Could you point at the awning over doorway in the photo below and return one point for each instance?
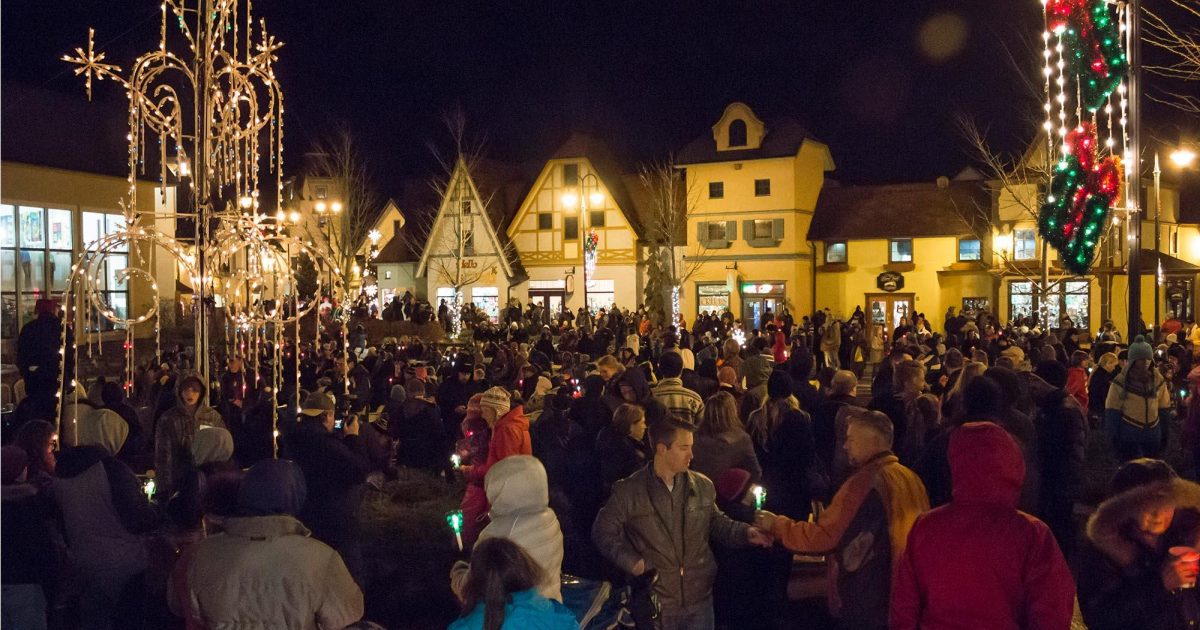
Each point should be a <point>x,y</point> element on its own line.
<point>1170,264</point>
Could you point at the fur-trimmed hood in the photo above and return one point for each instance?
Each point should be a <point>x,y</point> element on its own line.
<point>1106,528</point>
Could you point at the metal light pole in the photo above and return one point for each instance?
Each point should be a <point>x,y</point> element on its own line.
<point>1157,250</point>
<point>596,198</point>
<point>1134,171</point>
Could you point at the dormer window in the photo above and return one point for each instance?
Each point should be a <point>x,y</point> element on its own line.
<point>737,133</point>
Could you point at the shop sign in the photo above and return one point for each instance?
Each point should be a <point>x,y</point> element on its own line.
<point>761,289</point>
<point>889,281</point>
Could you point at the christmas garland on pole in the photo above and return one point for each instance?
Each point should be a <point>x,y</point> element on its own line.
<point>1092,37</point>
<point>1084,185</point>
<point>590,244</point>
<point>1081,195</point>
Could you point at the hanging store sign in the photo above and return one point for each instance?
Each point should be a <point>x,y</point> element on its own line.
<point>889,281</point>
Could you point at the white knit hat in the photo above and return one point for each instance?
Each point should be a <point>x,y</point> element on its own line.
<point>496,399</point>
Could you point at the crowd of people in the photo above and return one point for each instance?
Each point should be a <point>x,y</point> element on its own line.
<point>695,461</point>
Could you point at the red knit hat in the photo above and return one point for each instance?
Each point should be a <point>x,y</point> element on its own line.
<point>45,307</point>
<point>731,484</point>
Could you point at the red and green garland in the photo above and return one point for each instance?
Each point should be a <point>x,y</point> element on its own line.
<point>590,244</point>
<point>1081,195</point>
<point>1091,38</point>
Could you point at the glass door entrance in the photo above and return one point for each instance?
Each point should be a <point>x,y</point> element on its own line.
<point>756,307</point>
<point>552,301</point>
<point>886,311</point>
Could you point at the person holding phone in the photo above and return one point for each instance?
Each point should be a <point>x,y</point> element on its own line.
<point>335,467</point>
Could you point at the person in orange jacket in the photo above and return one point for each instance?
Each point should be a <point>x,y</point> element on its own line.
<point>865,528</point>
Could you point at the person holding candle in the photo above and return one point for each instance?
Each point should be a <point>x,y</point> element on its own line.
<point>865,528</point>
<point>1126,572</point>
<point>519,494</point>
<point>104,514</point>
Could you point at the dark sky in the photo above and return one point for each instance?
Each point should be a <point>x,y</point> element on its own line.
<point>646,75</point>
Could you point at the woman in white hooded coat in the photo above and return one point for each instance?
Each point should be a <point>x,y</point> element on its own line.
<point>519,496</point>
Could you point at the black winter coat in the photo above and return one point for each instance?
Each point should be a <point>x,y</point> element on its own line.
<point>334,471</point>
<point>1118,579</point>
<point>420,433</point>
<point>787,461</point>
<point>619,456</point>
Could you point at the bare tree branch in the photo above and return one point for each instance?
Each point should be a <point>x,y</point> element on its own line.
<point>672,199</point>
<point>340,158</point>
<point>1179,37</point>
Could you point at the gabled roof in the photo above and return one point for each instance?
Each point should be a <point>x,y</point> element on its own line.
<point>898,211</point>
<point>397,250</point>
<point>489,182</point>
<point>608,169</point>
<point>784,136</point>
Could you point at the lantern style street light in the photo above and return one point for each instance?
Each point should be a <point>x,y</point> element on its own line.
<point>589,237</point>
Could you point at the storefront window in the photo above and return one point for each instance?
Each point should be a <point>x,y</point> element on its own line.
<point>1076,301</point>
<point>38,247</point>
<point>601,294</point>
<point>1020,300</point>
<point>33,227</point>
<point>712,298</point>
<point>487,299</point>
<point>758,298</point>
<point>8,227</point>
<point>1072,297</point>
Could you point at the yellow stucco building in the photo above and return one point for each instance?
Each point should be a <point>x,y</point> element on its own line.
<point>767,229</point>
<point>753,188</point>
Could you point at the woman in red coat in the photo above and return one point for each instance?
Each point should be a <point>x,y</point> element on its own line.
<point>978,562</point>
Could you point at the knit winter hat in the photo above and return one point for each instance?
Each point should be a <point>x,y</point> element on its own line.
<point>731,484</point>
<point>1139,349</point>
<point>779,385</point>
<point>272,486</point>
<point>496,399</point>
<point>397,394</point>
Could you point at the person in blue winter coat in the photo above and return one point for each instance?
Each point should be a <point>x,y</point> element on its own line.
<point>501,592</point>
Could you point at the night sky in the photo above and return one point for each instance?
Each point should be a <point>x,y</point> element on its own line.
<point>880,82</point>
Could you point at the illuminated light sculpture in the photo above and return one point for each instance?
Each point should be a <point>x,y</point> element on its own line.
<point>213,115</point>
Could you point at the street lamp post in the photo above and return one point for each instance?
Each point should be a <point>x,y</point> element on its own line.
<point>597,198</point>
<point>326,229</point>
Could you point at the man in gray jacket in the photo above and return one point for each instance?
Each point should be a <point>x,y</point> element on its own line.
<point>661,518</point>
